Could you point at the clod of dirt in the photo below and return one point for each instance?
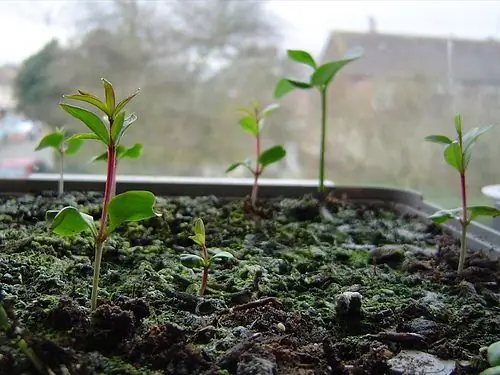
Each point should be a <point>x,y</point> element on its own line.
<point>387,254</point>
<point>257,361</point>
<point>348,304</point>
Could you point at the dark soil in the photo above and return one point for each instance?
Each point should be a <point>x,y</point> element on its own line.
<point>279,308</point>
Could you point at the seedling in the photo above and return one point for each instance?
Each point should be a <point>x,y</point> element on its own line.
<point>320,79</point>
<point>117,209</point>
<point>205,262</point>
<point>457,154</point>
<point>63,146</point>
<point>493,355</point>
<point>252,122</point>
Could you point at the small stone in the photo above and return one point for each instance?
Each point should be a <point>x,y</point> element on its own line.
<point>281,327</point>
<point>387,254</point>
<point>348,304</point>
<point>427,328</point>
<point>417,362</point>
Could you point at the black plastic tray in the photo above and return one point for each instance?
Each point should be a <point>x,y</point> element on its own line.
<point>480,236</point>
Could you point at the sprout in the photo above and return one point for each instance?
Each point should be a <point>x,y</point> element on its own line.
<point>457,154</point>
<point>252,122</point>
<point>205,262</point>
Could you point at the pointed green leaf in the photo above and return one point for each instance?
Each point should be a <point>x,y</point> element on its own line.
<point>53,140</point>
<point>88,98</point>
<point>443,139</point>
<point>270,109</point>
<point>199,228</point>
<point>73,145</point>
<point>198,239</point>
<point>453,156</point>
<point>457,120</point>
<point>92,121</point>
<point>192,261</point>
<point>133,152</point>
<point>272,155</point>
<point>326,72</point>
<point>124,102</point>
<point>84,136</point>
<point>69,221</point>
<point>130,206</point>
<point>443,216</point>
<point>470,139</point>
<point>222,255</point>
<point>302,57</point>
<point>233,166</point>
<point>109,95</point>
<point>477,211</point>
<point>249,125</point>
<point>129,120</point>
<point>116,129</point>
<point>101,157</point>
<point>286,85</point>
<point>493,354</point>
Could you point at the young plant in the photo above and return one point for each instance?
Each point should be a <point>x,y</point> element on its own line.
<point>117,209</point>
<point>205,262</point>
<point>63,146</point>
<point>320,79</point>
<point>493,355</point>
<point>252,122</point>
<point>457,154</point>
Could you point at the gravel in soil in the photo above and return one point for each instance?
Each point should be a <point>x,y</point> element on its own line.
<point>307,293</point>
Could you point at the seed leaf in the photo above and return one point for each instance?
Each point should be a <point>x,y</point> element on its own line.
<point>493,354</point>
<point>453,156</point>
<point>233,166</point>
<point>92,121</point>
<point>286,85</point>
<point>53,140</point>
<point>477,211</point>
<point>272,155</point>
<point>192,261</point>
<point>443,216</point>
<point>249,125</point>
<point>439,139</point>
<point>109,95</point>
<point>69,221</point>
<point>222,255</point>
<point>88,98</point>
<point>130,206</point>
<point>73,145</point>
<point>124,102</point>
<point>302,57</point>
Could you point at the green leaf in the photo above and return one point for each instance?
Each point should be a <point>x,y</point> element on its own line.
<point>453,156</point>
<point>69,221</point>
<point>326,72</point>
<point>53,140</point>
<point>129,120</point>
<point>439,139</point>
<point>443,216</point>
<point>477,211</point>
<point>88,98</point>
<point>495,370</point>
<point>192,261</point>
<point>124,102</point>
<point>109,95</point>
<point>470,139</point>
<point>73,145</point>
<point>198,238</point>
<point>84,136</point>
<point>493,354</point>
<point>249,125</point>
<point>270,109</point>
<point>286,85</point>
<point>222,255</point>
<point>272,155</point>
<point>302,57</point>
<point>92,121</point>
<point>130,206</point>
<point>116,129</point>
<point>4,318</point>
<point>233,166</point>
<point>101,157</point>
<point>457,120</point>
<point>132,153</point>
<point>199,228</point>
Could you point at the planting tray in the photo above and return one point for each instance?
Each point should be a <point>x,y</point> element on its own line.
<point>480,237</point>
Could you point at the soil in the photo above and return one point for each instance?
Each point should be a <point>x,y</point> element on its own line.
<point>308,293</point>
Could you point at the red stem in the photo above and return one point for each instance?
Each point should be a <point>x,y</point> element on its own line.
<point>256,174</point>
<point>204,278</point>
<point>463,242</point>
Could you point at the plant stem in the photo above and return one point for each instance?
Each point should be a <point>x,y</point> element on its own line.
<point>256,174</point>
<point>323,141</point>
<point>464,222</point>
<point>61,174</point>
<point>204,278</point>
<point>97,269</point>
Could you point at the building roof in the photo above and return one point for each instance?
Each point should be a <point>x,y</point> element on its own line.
<point>473,61</point>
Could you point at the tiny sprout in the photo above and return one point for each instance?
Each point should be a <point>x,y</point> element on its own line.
<point>457,154</point>
<point>320,79</point>
<point>117,209</point>
<point>205,262</point>
<point>252,122</point>
<point>63,146</point>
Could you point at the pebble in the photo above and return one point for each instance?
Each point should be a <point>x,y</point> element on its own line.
<point>348,304</point>
<point>387,254</point>
<point>417,362</point>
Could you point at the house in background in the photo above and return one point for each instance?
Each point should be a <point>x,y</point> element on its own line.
<point>7,76</point>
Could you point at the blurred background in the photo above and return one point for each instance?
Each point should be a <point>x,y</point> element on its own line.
<point>197,61</point>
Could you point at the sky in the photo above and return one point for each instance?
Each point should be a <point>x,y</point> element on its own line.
<point>305,24</point>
